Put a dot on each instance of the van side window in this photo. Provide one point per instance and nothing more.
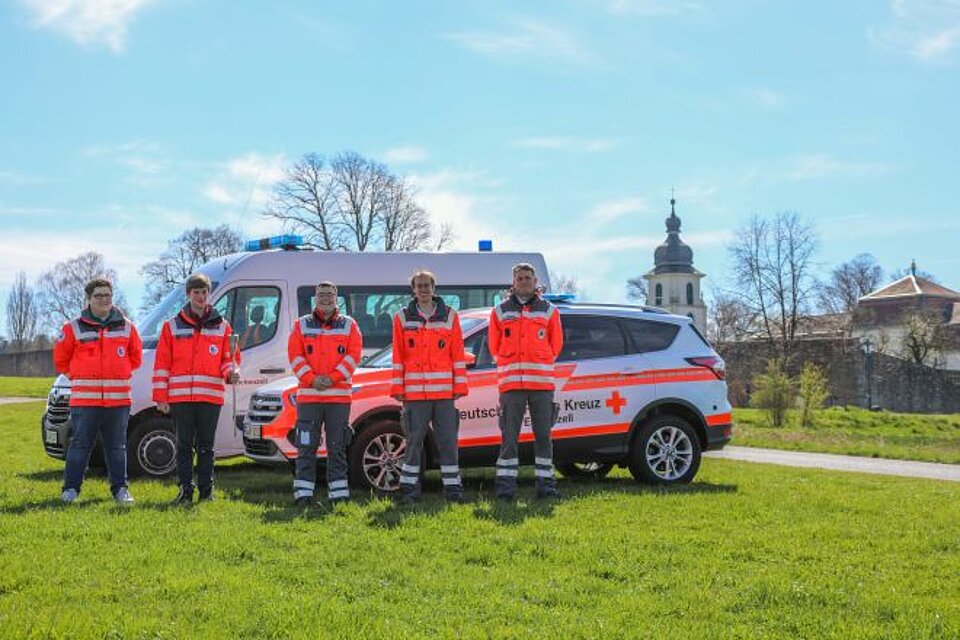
(252, 312)
(647, 335)
(586, 337)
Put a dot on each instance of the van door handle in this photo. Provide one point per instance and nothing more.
(272, 370)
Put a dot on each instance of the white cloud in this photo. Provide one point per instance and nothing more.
(566, 143)
(614, 209)
(405, 155)
(928, 30)
(242, 187)
(147, 160)
(87, 22)
(768, 98)
(824, 165)
(652, 8)
(526, 38)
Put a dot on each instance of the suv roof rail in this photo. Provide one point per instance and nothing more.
(612, 305)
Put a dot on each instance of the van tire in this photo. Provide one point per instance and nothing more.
(666, 451)
(152, 448)
(375, 456)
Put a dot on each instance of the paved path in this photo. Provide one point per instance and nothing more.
(15, 399)
(933, 470)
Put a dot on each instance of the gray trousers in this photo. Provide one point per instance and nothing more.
(542, 416)
(334, 419)
(417, 416)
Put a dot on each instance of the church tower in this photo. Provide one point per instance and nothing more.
(674, 284)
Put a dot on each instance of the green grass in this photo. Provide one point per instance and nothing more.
(746, 551)
(25, 387)
(853, 431)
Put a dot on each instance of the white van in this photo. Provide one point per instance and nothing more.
(262, 293)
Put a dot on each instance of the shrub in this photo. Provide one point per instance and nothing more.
(773, 392)
(812, 393)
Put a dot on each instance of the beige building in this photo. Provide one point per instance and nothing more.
(674, 283)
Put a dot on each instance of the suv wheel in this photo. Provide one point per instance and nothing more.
(585, 470)
(666, 451)
(375, 456)
(152, 448)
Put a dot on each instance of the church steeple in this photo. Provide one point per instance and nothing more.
(673, 256)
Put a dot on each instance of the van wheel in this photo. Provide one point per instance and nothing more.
(585, 470)
(376, 455)
(666, 451)
(152, 448)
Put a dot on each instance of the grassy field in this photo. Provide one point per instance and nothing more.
(852, 431)
(25, 387)
(746, 551)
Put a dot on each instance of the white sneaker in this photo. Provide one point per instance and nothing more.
(123, 496)
(69, 496)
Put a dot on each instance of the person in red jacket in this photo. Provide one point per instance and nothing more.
(429, 374)
(194, 359)
(98, 351)
(525, 338)
(324, 350)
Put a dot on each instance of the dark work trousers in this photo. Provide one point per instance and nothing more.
(196, 424)
(417, 417)
(334, 419)
(86, 423)
(542, 416)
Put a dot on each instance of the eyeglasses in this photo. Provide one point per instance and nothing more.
(102, 296)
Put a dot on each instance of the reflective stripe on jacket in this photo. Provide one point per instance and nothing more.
(332, 348)
(428, 359)
(193, 359)
(525, 339)
(99, 358)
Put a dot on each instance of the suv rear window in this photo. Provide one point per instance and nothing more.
(647, 335)
(586, 337)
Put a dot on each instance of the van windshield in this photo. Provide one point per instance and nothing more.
(149, 328)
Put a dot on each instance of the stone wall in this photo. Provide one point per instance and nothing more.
(895, 384)
(28, 363)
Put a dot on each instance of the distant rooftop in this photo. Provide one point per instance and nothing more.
(911, 286)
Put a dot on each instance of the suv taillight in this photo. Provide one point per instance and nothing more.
(713, 363)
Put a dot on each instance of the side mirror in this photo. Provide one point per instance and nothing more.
(471, 360)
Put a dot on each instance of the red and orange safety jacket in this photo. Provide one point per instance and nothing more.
(193, 358)
(99, 357)
(332, 348)
(524, 340)
(428, 360)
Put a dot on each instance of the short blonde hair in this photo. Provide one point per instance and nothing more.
(423, 273)
(326, 284)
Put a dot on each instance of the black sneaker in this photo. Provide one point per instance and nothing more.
(302, 502)
(206, 495)
(456, 498)
(408, 499)
(505, 497)
(548, 494)
(184, 497)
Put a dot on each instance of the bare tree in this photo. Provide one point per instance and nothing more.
(60, 291)
(923, 339)
(637, 290)
(772, 263)
(560, 283)
(731, 319)
(22, 316)
(849, 282)
(184, 254)
(897, 274)
(352, 203)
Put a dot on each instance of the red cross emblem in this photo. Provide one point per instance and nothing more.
(616, 402)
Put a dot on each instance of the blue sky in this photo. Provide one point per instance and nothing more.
(556, 126)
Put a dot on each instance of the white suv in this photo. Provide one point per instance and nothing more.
(636, 387)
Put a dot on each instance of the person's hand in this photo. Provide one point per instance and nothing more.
(398, 397)
(234, 377)
(163, 407)
(457, 396)
(322, 382)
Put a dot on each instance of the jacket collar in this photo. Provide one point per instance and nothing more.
(328, 322)
(113, 319)
(211, 318)
(439, 309)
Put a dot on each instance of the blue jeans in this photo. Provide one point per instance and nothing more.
(111, 424)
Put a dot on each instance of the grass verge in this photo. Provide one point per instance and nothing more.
(25, 387)
(858, 432)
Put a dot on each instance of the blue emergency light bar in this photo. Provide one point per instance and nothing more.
(486, 245)
(559, 297)
(276, 242)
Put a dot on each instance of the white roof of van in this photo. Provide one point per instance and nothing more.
(373, 268)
